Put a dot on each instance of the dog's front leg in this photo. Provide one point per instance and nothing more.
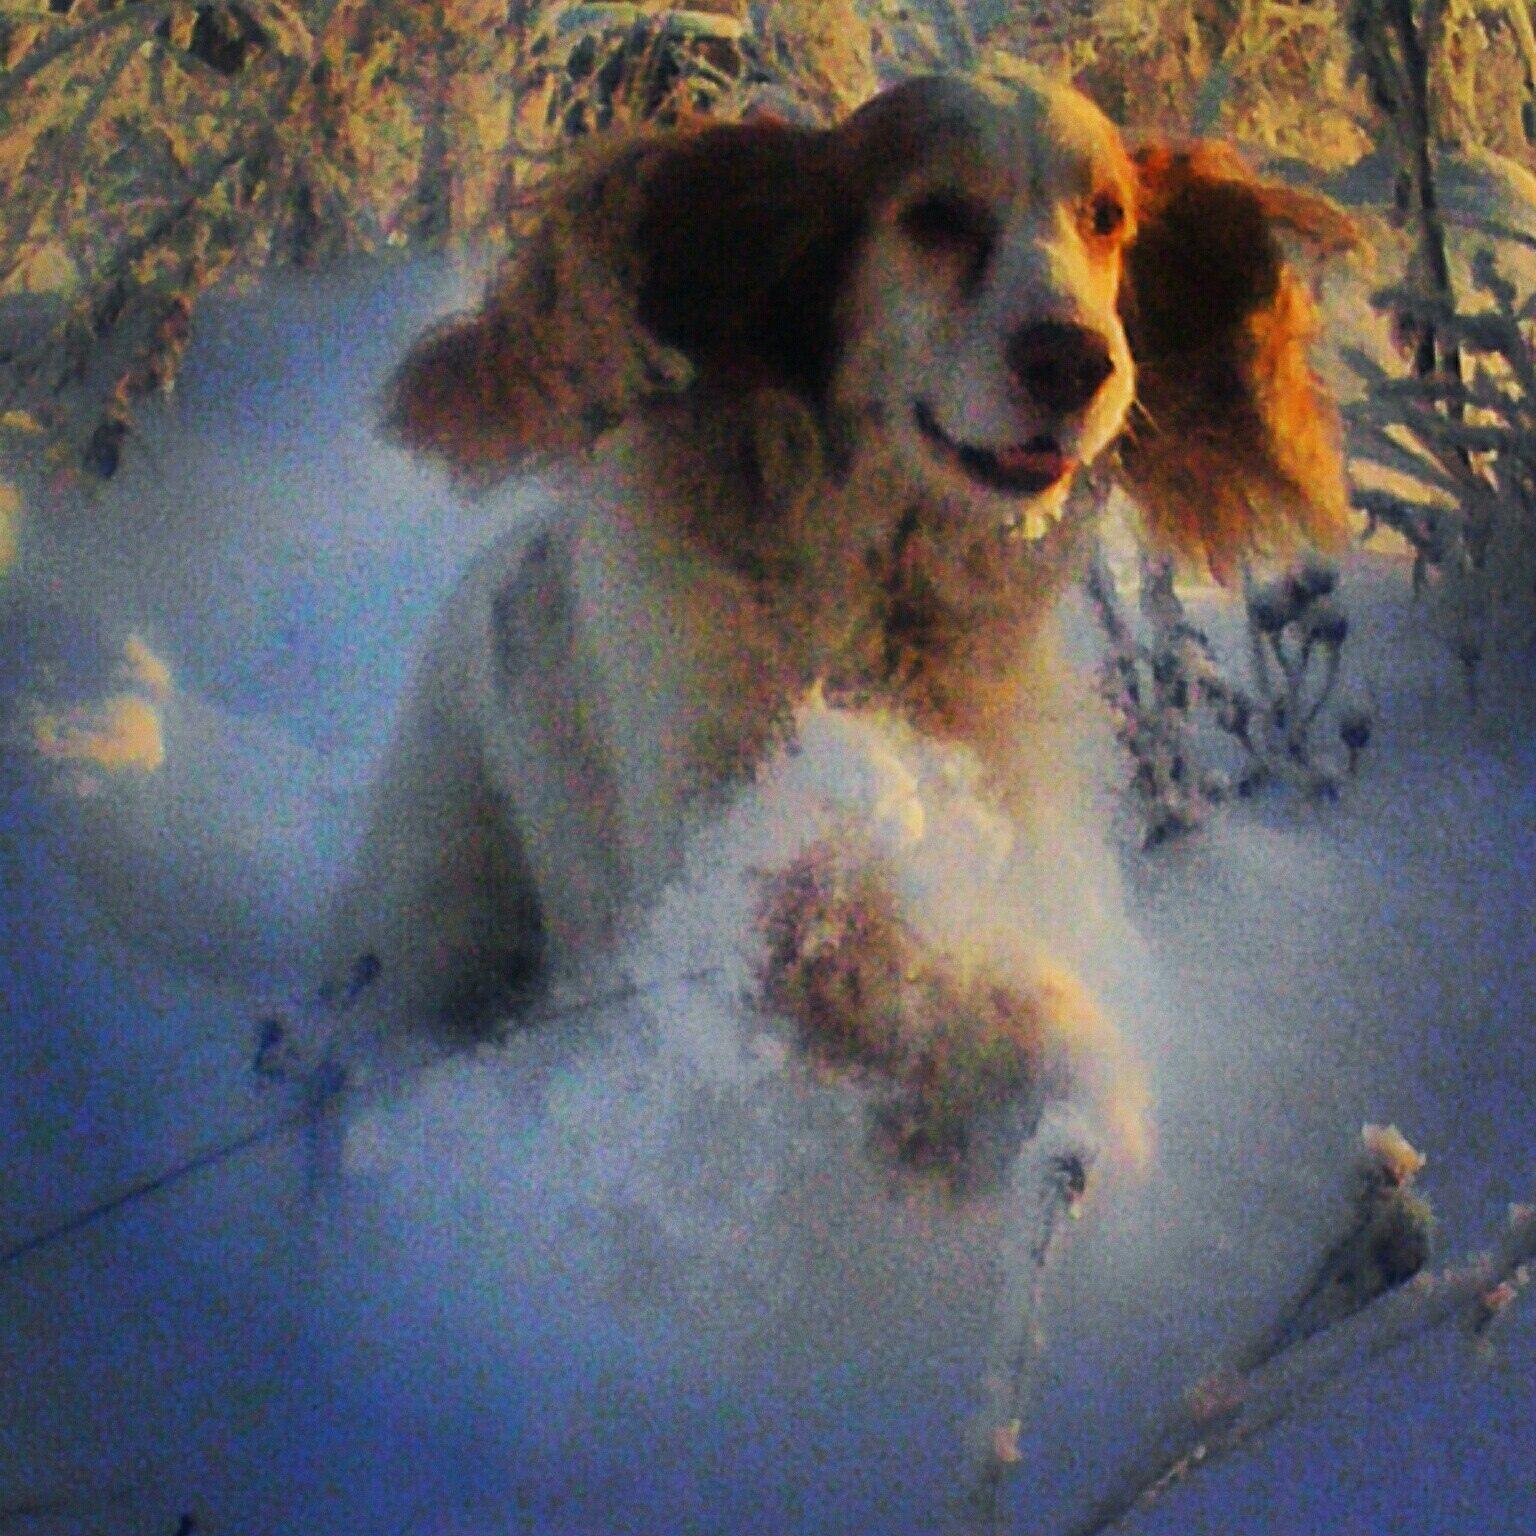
(439, 919)
(962, 1046)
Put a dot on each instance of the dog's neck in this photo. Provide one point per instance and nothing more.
(889, 596)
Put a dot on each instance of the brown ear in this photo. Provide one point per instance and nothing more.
(748, 232)
(1235, 445)
(555, 353)
(711, 252)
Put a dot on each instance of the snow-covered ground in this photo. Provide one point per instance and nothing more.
(637, 1273)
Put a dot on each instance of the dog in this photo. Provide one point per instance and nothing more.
(805, 408)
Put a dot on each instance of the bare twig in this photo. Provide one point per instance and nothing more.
(45, 53)
(1319, 1341)
(322, 1091)
(64, 155)
(1060, 1186)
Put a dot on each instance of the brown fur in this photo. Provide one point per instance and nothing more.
(861, 589)
(1234, 443)
(556, 355)
(950, 1047)
(711, 253)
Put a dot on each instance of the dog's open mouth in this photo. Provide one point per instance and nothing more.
(1023, 469)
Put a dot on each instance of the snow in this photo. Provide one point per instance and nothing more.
(637, 1272)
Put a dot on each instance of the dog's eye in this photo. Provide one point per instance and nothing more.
(947, 221)
(1106, 216)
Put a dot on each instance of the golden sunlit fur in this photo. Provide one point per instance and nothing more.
(1234, 443)
(805, 406)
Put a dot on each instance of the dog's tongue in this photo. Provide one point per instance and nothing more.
(1047, 462)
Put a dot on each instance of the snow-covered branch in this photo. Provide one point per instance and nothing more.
(1368, 1297)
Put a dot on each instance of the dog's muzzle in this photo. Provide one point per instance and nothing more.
(1023, 469)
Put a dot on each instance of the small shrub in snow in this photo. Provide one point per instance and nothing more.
(1296, 631)
(1468, 447)
(1179, 714)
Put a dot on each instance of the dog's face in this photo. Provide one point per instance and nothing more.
(949, 279)
(982, 343)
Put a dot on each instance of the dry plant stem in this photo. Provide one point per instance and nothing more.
(1384, 1245)
(1299, 715)
(1469, 518)
(1288, 737)
(1471, 1294)
(1325, 692)
(40, 57)
(1399, 15)
(1100, 583)
(1291, 1328)
(322, 1089)
(963, 33)
(263, 115)
(1019, 1336)
(64, 154)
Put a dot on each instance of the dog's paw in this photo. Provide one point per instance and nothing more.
(963, 1049)
(957, 1053)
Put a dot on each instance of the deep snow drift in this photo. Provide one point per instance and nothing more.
(638, 1272)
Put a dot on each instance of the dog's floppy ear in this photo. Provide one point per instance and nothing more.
(747, 233)
(1235, 444)
(555, 353)
(713, 251)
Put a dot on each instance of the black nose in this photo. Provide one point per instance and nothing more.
(1060, 366)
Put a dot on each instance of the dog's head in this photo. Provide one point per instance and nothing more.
(980, 342)
(956, 279)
